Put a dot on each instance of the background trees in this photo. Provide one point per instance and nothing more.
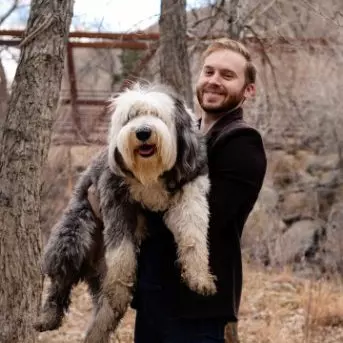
(174, 59)
(298, 48)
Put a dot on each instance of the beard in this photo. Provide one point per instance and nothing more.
(231, 101)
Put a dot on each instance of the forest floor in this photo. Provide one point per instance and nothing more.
(275, 308)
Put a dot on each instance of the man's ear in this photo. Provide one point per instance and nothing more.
(250, 90)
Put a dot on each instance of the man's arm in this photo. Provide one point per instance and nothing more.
(237, 170)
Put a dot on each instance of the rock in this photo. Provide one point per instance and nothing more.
(299, 242)
(299, 205)
(322, 163)
(262, 228)
(329, 178)
(326, 198)
(333, 247)
(307, 180)
(304, 157)
(268, 198)
(282, 168)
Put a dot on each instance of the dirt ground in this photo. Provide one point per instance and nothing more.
(276, 308)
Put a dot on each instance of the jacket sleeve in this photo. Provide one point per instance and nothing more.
(237, 170)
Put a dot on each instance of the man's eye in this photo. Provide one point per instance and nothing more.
(228, 76)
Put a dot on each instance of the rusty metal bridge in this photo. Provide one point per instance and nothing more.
(83, 119)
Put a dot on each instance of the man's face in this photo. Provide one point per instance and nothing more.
(221, 85)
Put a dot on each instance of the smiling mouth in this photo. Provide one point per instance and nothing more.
(212, 93)
(146, 150)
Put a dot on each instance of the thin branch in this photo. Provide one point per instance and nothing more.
(267, 59)
(9, 12)
(323, 15)
(252, 15)
(217, 9)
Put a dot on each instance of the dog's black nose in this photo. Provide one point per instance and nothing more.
(143, 133)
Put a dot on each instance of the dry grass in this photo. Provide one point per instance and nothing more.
(276, 308)
(323, 302)
(76, 321)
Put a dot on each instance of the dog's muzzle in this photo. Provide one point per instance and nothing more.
(143, 134)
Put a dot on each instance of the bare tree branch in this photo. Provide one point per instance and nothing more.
(321, 13)
(9, 12)
(253, 13)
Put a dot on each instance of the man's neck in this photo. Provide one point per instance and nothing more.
(209, 119)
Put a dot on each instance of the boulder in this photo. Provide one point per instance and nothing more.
(300, 242)
(283, 168)
(299, 205)
(333, 247)
(263, 227)
(320, 163)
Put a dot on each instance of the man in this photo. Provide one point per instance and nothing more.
(168, 311)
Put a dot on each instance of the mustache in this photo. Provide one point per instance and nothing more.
(214, 89)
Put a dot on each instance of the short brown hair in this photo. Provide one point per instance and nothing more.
(232, 45)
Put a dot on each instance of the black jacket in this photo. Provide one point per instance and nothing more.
(237, 165)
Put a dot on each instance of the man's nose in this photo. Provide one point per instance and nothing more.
(214, 79)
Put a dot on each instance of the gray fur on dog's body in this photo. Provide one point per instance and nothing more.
(80, 248)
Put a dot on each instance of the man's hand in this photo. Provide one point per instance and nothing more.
(231, 334)
(93, 198)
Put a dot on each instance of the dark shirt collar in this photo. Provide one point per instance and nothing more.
(225, 120)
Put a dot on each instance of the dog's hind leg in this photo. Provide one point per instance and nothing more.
(94, 285)
(116, 292)
(94, 281)
(188, 220)
(57, 302)
(120, 222)
(64, 255)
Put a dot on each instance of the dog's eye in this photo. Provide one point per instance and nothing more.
(154, 114)
(132, 114)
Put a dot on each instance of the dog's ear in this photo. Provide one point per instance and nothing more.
(190, 145)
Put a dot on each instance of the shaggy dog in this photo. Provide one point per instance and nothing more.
(155, 160)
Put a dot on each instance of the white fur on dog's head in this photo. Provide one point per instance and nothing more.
(150, 107)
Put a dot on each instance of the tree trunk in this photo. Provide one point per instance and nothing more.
(24, 146)
(174, 61)
(3, 97)
(234, 20)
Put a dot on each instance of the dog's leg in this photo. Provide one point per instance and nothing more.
(57, 302)
(188, 219)
(120, 221)
(64, 255)
(94, 285)
(116, 291)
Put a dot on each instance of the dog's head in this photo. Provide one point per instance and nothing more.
(151, 131)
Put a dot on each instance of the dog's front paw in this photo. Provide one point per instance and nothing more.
(202, 283)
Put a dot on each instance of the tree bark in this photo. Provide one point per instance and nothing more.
(234, 20)
(24, 146)
(3, 96)
(174, 60)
